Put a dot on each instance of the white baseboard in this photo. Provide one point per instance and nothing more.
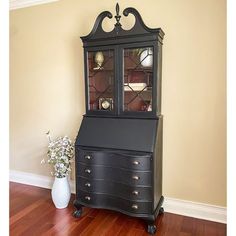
(171, 205)
(196, 210)
(35, 180)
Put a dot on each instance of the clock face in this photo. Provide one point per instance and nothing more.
(105, 104)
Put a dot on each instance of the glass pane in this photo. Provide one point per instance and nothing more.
(138, 77)
(101, 80)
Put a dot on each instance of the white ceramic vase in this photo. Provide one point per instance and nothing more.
(146, 58)
(61, 192)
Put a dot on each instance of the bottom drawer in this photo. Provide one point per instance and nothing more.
(100, 200)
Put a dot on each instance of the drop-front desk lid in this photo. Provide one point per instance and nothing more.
(118, 133)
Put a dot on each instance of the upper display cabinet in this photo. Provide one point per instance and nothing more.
(123, 68)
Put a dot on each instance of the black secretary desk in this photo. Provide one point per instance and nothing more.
(119, 144)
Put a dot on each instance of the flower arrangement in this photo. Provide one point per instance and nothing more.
(60, 154)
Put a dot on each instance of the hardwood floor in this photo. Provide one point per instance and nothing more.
(32, 213)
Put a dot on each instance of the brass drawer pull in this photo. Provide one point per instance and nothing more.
(88, 157)
(136, 162)
(135, 177)
(88, 198)
(134, 206)
(88, 184)
(87, 171)
(135, 192)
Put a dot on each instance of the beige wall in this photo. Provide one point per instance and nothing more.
(47, 87)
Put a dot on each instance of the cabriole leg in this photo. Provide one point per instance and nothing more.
(151, 227)
(161, 211)
(78, 212)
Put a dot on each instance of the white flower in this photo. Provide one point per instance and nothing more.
(60, 152)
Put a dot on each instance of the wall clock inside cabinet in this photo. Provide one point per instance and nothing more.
(119, 143)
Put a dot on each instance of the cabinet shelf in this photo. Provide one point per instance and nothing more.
(101, 92)
(101, 70)
(143, 69)
(138, 91)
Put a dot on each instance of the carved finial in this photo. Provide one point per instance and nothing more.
(117, 8)
(117, 24)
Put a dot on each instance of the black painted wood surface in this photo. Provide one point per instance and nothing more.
(123, 134)
(119, 159)
(115, 203)
(116, 189)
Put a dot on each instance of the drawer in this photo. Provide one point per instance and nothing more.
(135, 161)
(114, 203)
(115, 189)
(119, 175)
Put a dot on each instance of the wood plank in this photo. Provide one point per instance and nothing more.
(117, 225)
(26, 211)
(95, 224)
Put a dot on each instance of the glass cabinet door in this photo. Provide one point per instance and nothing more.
(100, 80)
(138, 79)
